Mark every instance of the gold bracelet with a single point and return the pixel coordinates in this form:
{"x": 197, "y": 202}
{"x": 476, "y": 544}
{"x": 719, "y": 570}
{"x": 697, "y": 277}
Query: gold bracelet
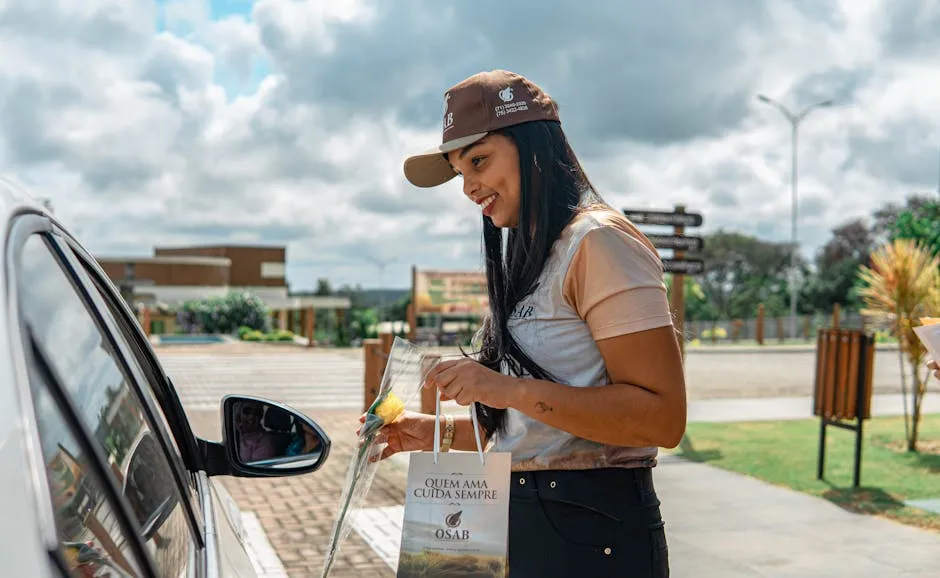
{"x": 448, "y": 432}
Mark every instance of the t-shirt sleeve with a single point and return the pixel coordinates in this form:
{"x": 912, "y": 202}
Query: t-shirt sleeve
{"x": 615, "y": 283}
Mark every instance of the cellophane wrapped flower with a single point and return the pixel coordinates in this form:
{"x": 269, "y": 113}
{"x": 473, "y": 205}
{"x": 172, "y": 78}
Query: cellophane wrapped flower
{"x": 404, "y": 375}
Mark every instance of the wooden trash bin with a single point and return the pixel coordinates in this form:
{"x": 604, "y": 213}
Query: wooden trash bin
{"x": 843, "y": 387}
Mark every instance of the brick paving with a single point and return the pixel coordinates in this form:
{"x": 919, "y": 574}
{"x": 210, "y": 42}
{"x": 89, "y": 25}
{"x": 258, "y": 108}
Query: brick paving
{"x": 297, "y": 512}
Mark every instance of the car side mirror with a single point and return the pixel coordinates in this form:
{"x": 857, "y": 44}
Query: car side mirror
{"x": 264, "y": 438}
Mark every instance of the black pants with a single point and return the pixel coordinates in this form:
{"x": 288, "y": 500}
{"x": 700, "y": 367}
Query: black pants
{"x": 586, "y": 524}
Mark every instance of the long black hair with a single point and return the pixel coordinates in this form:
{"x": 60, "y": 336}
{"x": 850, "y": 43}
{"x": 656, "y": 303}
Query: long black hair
{"x": 553, "y": 189}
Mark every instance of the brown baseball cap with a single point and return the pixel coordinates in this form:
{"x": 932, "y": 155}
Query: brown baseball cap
{"x": 485, "y": 102}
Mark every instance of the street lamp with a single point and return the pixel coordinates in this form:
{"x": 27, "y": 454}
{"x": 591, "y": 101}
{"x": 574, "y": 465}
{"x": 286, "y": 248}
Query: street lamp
{"x": 794, "y": 120}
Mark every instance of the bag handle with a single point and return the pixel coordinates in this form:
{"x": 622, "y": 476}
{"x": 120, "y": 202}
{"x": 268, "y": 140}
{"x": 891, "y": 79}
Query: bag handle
{"x": 437, "y": 429}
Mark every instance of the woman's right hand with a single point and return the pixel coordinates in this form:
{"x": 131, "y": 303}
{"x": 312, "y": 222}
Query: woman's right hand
{"x": 411, "y": 432}
{"x": 935, "y": 366}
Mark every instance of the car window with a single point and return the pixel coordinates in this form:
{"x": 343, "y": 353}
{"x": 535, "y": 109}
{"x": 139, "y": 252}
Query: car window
{"x": 91, "y": 541}
{"x": 143, "y": 363}
{"x": 92, "y": 376}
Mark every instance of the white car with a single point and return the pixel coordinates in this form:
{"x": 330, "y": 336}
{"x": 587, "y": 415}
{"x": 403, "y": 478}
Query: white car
{"x": 101, "y": 472}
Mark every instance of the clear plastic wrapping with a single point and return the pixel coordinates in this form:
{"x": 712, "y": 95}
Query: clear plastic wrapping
{"x": 401, "y": 384}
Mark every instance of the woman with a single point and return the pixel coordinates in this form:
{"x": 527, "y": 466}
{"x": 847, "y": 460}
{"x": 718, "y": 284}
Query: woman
{"x": 579, "y": 373}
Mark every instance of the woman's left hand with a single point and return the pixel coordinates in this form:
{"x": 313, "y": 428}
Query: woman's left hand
{"x": 467, "y": 381}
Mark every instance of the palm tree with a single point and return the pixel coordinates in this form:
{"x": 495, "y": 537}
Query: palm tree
{"x": 901, "y": 286}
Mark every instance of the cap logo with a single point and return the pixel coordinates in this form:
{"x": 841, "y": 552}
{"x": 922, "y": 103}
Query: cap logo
{"x": 511, "y": 106}
{"x": 448, "y": 116}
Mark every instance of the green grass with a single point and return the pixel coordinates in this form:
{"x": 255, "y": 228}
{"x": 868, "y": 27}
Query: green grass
{"x": 785, "y": 453}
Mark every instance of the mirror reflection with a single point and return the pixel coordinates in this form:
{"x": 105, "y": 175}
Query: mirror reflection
{"x": 269, "y": 436}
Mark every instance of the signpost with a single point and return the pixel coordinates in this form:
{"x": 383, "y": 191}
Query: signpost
{"x": 677, "y": 242}
{"x": 678, "y": 218}
{"x": 678, "y": 265}
{"x": 684, "y": 266}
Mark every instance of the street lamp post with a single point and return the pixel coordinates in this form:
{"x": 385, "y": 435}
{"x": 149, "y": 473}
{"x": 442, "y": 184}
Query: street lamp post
{"x": 794, "y": 120}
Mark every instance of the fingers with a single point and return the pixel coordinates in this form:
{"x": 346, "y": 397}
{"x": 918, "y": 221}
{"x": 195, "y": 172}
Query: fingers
{"x": 451, "y": 390}
{"x": 443, "y": 373}
{"x": 438, "y": 369}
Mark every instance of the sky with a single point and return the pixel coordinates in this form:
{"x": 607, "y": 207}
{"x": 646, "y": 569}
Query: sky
{"x": 286, "y": 122}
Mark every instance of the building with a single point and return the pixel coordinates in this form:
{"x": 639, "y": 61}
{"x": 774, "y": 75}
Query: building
{"x": 175, "y": 275}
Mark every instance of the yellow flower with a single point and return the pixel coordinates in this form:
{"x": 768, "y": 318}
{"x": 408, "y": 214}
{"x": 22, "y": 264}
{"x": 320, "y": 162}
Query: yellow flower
{"x": 390, "y": 409}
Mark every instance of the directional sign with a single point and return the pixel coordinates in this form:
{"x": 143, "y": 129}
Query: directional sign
{"x": 677, "y": 242}
{"x": 644, "y": 217}
{"x": 684, "y": 266}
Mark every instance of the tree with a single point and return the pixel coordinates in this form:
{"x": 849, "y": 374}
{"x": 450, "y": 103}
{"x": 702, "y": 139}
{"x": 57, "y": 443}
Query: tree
{"x": 697, "y": 305}
{"x": 837, "y": 264}
{"x": 323, "y": 288}
{"x": 921, "y": 224}
{"x": 362, "y": 323}
{"x": 887, "y": 216}
{"x": 851, "y": 240}
{"x": 224, "y": 314}
{"x": 398, "y": 310}
{"x": 899, "y": 288}
{"x": 743, "y": 271}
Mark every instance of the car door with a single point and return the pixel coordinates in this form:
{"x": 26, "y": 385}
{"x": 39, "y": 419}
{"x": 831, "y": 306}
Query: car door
{"x": 109, "y": 429}
{"x": 219, "y": 520}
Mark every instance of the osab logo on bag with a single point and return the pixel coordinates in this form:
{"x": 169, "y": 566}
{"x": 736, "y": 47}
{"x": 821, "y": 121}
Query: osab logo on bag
{"x": 450, "y": 532}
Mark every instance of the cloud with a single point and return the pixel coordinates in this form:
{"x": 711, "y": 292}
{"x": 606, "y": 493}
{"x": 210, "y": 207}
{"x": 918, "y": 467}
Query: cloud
{"x": 287, "y": 121}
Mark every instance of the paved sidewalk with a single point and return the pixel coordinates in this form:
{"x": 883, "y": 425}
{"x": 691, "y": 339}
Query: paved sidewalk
{"x": 786, "y": 408}
{"x": 725, "y": 525}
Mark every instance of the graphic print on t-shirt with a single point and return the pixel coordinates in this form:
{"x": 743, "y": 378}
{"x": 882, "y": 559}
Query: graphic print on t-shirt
{"x": 522, "y": 311}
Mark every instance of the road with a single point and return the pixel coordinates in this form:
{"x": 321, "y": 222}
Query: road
{"x": 774, "y": 374}
{"x": 332, "y": 379}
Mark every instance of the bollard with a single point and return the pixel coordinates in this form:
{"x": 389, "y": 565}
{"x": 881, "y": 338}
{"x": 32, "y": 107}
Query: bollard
{"x": 310, "y": 325}
{"x": 145, "y": 321}
{"x": 760, "y": 324}
{"x": 429, "y": 395}
{"x": 412, "y": 323}
{"x": 372, "y": 378}
{"x": 387, "y": 339}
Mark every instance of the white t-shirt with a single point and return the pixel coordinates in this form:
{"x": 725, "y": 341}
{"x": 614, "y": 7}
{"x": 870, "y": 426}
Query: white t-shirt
{"x": 602, "y": 279}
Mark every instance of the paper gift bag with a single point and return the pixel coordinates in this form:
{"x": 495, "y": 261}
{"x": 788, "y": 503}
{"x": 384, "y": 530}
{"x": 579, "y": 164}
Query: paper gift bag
{"x": 456, "y": 519}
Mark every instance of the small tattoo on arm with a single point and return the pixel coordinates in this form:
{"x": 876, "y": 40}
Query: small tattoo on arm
{"x": 543, "y": 407}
